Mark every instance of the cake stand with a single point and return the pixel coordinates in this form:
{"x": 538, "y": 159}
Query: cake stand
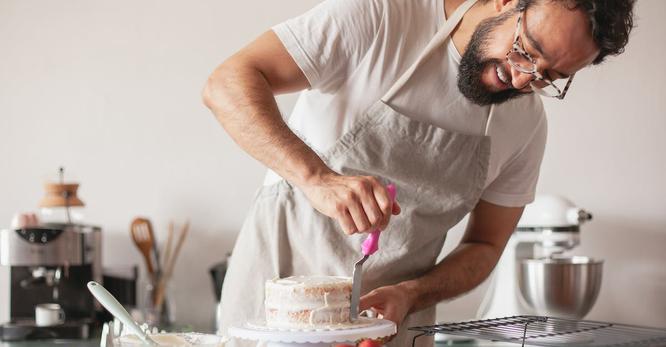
{"x": 374, "y": 329}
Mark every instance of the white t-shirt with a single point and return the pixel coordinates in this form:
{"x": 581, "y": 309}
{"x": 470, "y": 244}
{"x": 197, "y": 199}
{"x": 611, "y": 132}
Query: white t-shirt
{"x": 352, "y": 51}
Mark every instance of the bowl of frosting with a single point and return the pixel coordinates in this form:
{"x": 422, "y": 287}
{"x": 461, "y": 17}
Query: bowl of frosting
{"x": 173, "y": 340}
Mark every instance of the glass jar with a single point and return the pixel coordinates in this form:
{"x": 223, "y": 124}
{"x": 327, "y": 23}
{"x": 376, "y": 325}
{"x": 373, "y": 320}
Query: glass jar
{"x": 161, "y": 315}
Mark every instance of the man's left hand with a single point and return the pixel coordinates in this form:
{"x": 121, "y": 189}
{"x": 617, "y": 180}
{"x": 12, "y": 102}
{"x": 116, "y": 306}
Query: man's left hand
{"x": 390, "y": 302}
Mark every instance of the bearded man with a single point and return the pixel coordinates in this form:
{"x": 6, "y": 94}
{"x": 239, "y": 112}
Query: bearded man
{"x": 440, "y": 98}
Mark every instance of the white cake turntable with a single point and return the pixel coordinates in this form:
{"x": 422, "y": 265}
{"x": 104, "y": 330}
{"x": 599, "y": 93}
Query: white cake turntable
{"x": 363, "y": 328}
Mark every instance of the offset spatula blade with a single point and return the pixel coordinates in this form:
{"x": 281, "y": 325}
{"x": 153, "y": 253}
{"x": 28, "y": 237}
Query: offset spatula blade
{"x": 368, "y": 248}
{"x": 356, "y": 288}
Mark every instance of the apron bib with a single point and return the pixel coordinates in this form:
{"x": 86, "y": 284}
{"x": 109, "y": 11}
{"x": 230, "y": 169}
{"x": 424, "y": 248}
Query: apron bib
{"x": 439, "y": 176}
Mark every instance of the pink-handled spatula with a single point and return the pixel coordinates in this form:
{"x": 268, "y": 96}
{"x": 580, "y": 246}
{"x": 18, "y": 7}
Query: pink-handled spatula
{"x": 369, "y": 247}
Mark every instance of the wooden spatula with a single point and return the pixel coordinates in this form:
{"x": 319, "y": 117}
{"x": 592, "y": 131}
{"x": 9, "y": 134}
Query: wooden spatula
{"x": 144, "y": 239}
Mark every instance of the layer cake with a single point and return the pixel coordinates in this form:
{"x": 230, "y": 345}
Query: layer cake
{"x": 307, "y": 301}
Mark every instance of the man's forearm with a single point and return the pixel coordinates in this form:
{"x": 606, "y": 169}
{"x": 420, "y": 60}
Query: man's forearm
{"x": 461, "y": 271}
{"x": 241, "y": 95}
{"x": 243, "y": 102}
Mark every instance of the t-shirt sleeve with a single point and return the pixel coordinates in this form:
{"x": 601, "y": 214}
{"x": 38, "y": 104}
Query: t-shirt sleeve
{"x": 329, "y": 41}
{"x": 516, "y": 184}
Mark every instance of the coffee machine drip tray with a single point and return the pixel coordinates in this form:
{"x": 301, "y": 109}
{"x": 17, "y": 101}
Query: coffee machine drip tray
{"x": 28, "y": 330}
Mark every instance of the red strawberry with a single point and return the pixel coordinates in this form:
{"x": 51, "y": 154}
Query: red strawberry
{"x": 369, "y": 343}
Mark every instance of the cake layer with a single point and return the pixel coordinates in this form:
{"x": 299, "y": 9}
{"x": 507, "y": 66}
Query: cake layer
{"x": 307, "y": 301}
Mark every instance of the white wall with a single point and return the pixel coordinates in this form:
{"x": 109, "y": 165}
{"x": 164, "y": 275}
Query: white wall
{"x": 111, "y": 90}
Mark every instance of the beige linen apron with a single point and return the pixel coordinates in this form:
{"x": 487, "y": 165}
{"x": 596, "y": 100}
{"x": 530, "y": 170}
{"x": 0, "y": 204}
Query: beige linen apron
{"x": 439, "y": 176}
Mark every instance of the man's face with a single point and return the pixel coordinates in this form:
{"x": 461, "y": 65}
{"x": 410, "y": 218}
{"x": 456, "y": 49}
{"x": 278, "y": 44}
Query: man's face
{"x": 559, "y": 39}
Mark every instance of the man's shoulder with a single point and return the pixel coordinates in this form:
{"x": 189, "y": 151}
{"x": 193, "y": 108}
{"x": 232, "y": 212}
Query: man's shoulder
{"x": 526, "y": 115}
{"x": 404, "y": 7}
{"x": 422, "y": 5}
{"x": 386, "y": 4}
{"x": 410, "y": 20}
{"x": 529, "y": 106}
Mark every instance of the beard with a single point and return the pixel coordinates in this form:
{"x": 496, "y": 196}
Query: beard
{"x": 474, "y": 63}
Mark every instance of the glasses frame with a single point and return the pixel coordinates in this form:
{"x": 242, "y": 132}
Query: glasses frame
{"x": 517, "y": 47}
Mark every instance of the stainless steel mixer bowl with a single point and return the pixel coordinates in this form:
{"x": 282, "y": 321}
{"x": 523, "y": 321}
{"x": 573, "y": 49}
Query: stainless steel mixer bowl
{"x": 564, "y": 287}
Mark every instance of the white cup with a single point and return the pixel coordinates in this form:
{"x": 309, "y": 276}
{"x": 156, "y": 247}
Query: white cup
{"x": 48, "y": 315}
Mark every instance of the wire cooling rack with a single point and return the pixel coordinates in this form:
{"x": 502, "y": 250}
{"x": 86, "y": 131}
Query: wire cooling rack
{"x": 550, "y": 332}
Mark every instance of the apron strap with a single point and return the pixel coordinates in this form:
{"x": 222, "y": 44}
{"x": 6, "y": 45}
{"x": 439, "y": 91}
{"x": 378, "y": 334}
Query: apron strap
{"x": 439, "y": 38}
{"x": 486, "y": 131}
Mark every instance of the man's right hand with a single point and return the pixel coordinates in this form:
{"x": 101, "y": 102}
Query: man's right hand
{"x": 357, "y": 203}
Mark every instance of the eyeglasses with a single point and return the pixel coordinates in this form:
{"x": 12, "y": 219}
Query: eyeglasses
{"x": 522, "y": 61}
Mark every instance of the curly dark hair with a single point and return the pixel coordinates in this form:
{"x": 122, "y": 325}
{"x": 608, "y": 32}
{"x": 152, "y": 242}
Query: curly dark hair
{"x": 611, "y": 22}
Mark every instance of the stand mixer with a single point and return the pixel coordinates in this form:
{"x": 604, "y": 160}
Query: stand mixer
{"x": 549, "y": 226}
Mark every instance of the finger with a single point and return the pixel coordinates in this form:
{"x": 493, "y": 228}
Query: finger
{"x": 358, "y": 215}
{"x": 391, "y": 313}
{"x": 379, "y": 303}
{"x": 370, "y": 300}
{"x": 396, "y": 209}
{"x": 384, "y": 202}
{"x": 372, "y": 211}
{"x": 347, "y": 223}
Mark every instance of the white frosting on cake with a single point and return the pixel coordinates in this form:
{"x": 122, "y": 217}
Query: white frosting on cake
{"x": 307, "y": 301}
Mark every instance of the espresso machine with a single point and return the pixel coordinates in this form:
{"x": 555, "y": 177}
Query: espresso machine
{"x": 50, "y": 263}
{"x": 535, "y": 275}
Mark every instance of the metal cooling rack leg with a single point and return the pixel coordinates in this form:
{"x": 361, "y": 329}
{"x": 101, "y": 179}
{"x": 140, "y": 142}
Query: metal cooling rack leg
{"x": 416, "y": 337}
{"x": 525, "y": 334}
